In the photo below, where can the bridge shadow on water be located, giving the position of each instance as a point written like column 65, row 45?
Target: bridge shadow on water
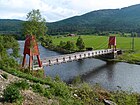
column 108, row 67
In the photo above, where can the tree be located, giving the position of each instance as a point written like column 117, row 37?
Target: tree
column 80, row 43
column 69, row 46
column 133, row 34
column 46, row 40
column 35, row 24
column 7, row 57
column 62, row 44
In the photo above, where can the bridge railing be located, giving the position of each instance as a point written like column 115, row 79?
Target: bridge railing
column 74, row 56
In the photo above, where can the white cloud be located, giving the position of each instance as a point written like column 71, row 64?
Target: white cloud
column 90, row 5
column 54, row 10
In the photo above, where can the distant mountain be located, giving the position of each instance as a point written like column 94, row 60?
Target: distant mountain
column 124, row 20
column 10, row 26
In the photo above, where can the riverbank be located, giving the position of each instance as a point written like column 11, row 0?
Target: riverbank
column 94, row 42
column 130, row 57
column 126, row 56
column 91, row 70
column 60, row 93
column 55, row 92
column 28, row 95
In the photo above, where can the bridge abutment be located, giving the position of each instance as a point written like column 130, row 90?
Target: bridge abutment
column 112, row 55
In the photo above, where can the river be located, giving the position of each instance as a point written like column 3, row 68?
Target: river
column 109, row 75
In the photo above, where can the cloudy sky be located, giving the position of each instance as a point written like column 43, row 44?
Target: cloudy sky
column 54, row 10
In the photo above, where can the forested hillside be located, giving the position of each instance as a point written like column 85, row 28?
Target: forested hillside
column 10, row 26
column 123, row 20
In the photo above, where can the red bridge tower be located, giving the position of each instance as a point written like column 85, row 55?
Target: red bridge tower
column 31, row 48
column 112, row 42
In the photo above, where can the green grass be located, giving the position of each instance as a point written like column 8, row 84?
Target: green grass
column 99, row 42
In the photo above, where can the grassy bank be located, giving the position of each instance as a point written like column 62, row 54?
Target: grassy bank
column 56, row 92
column 101, row 42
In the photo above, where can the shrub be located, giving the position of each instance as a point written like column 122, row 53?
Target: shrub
column 38, row 88
column 22, row 84
column 86, row 94
column 26, row 70
column 71, row 101
column 47, row 93
column 11, row 94
column 61, row 89
column 77, row 80
column 57, row 78
column 38, row 73
column 124, row 98
column 80, row 43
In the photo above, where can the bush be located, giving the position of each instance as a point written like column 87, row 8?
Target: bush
column 57, row 78
column 86, row 94
column 71, row 101
column 61, row 90
column 26, row 70
column 77, row 80
column 124, row 98
column 80, row 43
column 22, row 84
column 11, row 94
column 38, row 88
column 4, row 75
column 38, row 73
column 47, row 93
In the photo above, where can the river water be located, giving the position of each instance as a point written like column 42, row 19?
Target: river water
column 109, row 75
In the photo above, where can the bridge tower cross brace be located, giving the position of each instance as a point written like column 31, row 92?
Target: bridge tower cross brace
column 112, row 42
column 31, row 48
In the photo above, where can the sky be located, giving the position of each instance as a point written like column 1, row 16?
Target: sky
column 55, row 10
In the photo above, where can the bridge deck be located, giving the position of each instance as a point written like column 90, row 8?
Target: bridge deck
column 74, row 56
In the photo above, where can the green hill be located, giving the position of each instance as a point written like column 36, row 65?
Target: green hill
column 10, row 26
column 124, row 20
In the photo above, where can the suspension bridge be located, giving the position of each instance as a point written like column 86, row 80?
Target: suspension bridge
column 48, row 61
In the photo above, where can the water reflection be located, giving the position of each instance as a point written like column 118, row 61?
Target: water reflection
column 110, row 70
column 93, row 72
column 70, row 70
column 101, row 75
